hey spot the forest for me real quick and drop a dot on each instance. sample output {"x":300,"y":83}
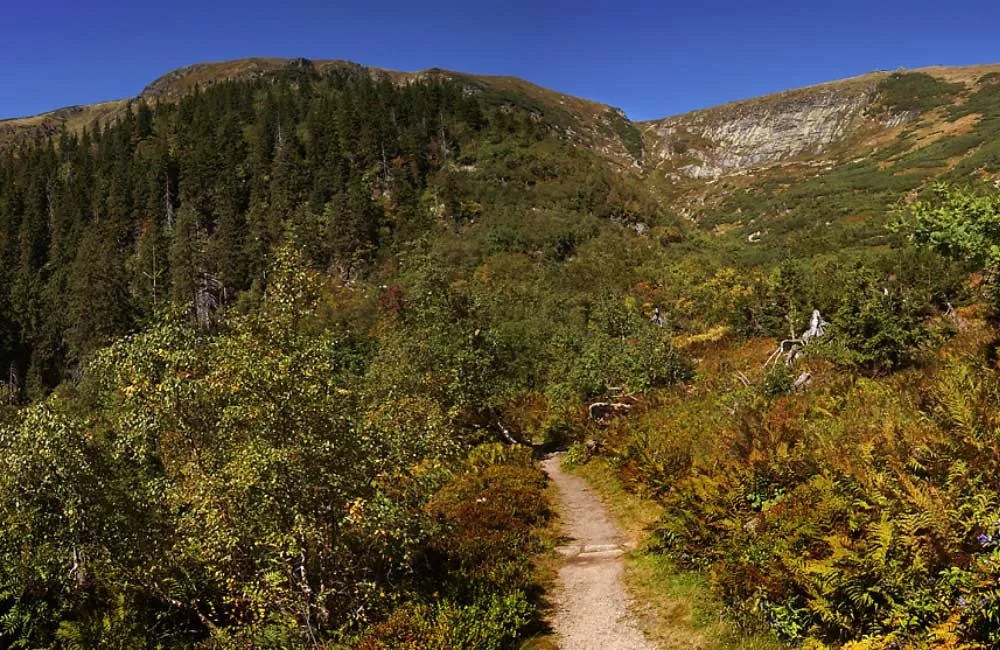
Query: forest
{"x":278,"y":359}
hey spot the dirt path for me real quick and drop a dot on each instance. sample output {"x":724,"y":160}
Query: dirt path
{"x":590,"y":605}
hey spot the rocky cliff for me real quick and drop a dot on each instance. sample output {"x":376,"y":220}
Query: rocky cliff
{"x":741,"y":135}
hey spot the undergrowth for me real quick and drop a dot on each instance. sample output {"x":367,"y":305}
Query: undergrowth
{"x":676,"y":608}
{"x":860,"y":513}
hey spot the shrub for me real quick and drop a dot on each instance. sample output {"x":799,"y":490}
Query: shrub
{"x":778,"y":381}
{"x":490,"y":516}
{"x":915,"y":91}
{"x":577,"y":454}
{"x":877,"y":327}
{"x":478,"y":563}
{"x":489,"y":623}
{"x":844,"y":515}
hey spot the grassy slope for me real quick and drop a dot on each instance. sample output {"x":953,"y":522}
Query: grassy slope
{"x":840,"y":199}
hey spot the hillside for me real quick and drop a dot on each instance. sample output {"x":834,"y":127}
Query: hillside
{"x":908,"y":125}
{"x":269,"y":334}
{"x":588,"y":123}
{"x":281,"y":342}
{"x":824,"y":164}
{"x":826,"y":123}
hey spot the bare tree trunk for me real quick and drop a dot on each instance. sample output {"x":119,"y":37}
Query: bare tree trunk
{"x":791,"y":347}
{"x":168,"y":203}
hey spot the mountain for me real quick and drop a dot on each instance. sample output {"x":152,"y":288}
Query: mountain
{"x":514,"y":166}
{"x":815,"y":125}
{"x":835,"y":156}
{"x":866,"y":139}
{"x":838,"y":153}
{"x":268,"y":328}
{"x":829,"y":122}
{"x":592,"y":124}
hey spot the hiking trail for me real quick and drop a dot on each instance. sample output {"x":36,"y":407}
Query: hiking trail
{"x":590,"y":607}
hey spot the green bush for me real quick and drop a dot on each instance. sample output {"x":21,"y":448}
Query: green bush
{"x":578,"y":454}
{"x":915,"y":91}
{"x":489,"y":623}
{"x":778,"y":381}
{"x":620,"y":349}
{"x":478,"y":563}
{"x":878,"y":327}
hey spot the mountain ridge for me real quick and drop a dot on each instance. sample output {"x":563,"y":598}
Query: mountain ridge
{"x":793,"y":134}
{"x":588,"y":115}
{"x":593,"y":123}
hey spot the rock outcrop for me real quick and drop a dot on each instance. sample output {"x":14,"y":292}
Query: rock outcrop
{"x":725,"y":139}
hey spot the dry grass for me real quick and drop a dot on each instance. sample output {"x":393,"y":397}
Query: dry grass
{"x":742,"y":356}
{"x":937,"y":128}
{"x":546,"y":642}
{"x":74,"y":118}
{"x":851,"y":85}
{"x":680,"y":611}
{"x":633,"y":514}
{"x":967,"y":74}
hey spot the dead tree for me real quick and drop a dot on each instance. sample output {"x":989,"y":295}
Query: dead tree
{"x":505,"y":432}
{"x":601,"y":412}
{"x":802,"y":381}
{"x":13,"y":385}
{"x":791,"y":348}
{"x":954,"y":317}
{"x":168,"y":204}
{"x":206,"y":299}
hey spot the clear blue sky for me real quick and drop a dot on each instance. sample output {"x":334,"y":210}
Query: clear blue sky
{"x":650,"y":58}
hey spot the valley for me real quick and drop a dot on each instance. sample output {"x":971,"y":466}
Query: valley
{"x":281,"y":339}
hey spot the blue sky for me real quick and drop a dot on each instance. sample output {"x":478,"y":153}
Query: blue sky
{"x":650,"y":58}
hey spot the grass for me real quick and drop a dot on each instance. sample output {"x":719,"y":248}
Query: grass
{"x":541,"y":642}
{"x":75,"y":119}
{"x":633,"y":514}
{"x":679,"y":610}
{"x":676,"y":609}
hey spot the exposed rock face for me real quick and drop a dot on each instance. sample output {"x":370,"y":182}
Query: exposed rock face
{"x":733,"y":137}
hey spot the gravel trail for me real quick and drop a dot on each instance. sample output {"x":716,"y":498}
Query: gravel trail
{"x":590,"y":608}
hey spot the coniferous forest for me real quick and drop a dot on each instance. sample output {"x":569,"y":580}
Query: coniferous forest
{"x":278,"y":356}
{"x":250,"y":340}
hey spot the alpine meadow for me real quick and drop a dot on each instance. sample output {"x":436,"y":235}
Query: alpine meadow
{"x":286,"y":345}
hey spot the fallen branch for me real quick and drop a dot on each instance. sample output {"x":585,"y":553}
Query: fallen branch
{"x":601,"y":411}
{"x":507,"y":435}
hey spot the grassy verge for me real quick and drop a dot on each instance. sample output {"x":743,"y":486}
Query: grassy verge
{"x":546,"y":572}
{"x":633,"y":514}
{"x":675,"y":609}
